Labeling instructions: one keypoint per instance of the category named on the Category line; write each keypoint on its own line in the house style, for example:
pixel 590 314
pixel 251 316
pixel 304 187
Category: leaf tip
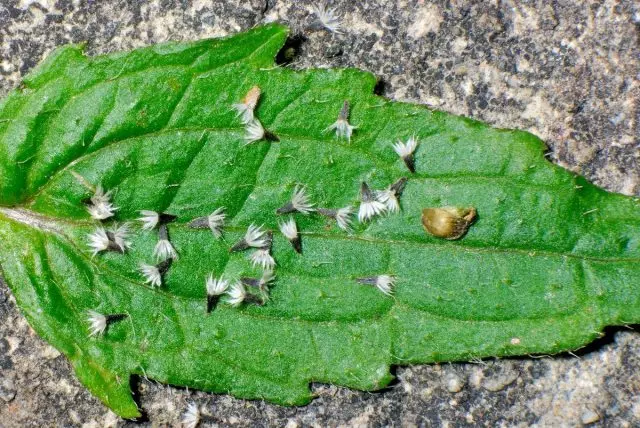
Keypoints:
pixel 112 388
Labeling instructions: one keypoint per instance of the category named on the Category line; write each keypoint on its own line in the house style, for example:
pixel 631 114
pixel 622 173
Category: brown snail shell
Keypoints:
pixel 448 222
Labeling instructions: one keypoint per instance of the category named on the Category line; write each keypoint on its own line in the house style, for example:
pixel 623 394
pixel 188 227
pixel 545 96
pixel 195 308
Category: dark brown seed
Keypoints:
pixel 344 111
pixel 366 195
pixel 398 187
pixel 115 317
pixel 297 244
pixel 327 212
pixel 250 282
pixel 199 223
pixel 410 162
pixel 241 245
pixel 164 266
pixel 164 218
pixel 286 209
pixel 212 302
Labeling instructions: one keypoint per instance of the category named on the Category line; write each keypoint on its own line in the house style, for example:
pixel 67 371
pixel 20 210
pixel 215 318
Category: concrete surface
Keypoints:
pixel 567 71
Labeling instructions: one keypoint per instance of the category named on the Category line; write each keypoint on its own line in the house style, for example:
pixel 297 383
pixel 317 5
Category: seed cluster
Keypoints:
pixel 372 203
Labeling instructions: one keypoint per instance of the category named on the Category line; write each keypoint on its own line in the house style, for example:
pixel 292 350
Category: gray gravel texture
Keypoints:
pixel 567 71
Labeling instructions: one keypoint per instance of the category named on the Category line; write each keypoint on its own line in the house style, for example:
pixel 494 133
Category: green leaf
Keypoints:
pixel 548 263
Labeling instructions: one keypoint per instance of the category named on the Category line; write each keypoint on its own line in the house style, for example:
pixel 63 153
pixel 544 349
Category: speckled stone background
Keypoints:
pixel 568 71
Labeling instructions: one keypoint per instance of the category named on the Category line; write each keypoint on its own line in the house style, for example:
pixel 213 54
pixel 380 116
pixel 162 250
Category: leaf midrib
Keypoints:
pixel 16 213
pixel 396 303
pixel 475 249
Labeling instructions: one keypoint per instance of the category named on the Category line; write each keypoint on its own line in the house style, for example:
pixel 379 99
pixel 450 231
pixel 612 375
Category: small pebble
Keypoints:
pixel 589 417
pixel 454 383
pixel 75 418
pixel 50 353
pixel 7 390
pixel 292 423
pixel 497 381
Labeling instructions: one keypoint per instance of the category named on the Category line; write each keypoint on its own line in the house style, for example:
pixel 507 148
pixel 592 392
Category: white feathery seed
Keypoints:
pixel 341 126
pixel 370 209
pixel 216 286
pixel 385 284
pixel 343 218
pixel 328 17
pixel 300 201
pixel 101 208
pixel 369 205
pixel 237 293
pixel 191 417
pixel 390 196
pixel 97 323
pixel 262 257
pixel 389 199
pixel 101 211
pixel 98 241
pixel 289 229
pixel 101 239
pixel 100 196
pixel 120 234
pixel 149 219
pixel 151 274
pixel 246 108
pixel 253 131
pixel 263 282
pixel 343 129
pixel 216 222
pixel 406 149
pixel 255 236
pixel 267 278
pixel 164 250
pixel 245 113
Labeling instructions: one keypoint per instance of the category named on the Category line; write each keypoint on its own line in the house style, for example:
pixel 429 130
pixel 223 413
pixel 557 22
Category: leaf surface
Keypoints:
pixel 549 262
